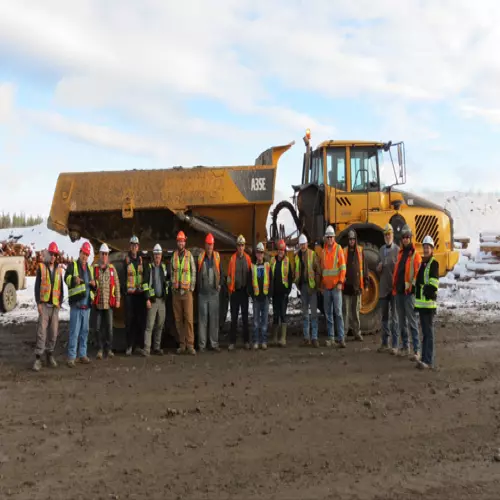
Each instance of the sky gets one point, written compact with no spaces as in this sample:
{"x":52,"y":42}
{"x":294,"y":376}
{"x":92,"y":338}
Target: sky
{"x":92,"y":85}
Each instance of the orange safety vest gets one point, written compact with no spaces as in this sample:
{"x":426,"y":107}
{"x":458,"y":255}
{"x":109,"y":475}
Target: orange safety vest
{"x":201,"y":258}
{"x":183,"y":268}
{"x":285,"y":267}
{"x":134,"y":279}
{"x":411,"y":270}
{"x":231,"y":275}
{"x":112,"y":294}
{"x":332,"y":267}
{"x":46,"y":285}
{"x":359,"y":251}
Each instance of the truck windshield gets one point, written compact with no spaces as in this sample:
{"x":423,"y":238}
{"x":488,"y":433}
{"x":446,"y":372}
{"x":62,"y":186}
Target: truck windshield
{"x":364,"y":169}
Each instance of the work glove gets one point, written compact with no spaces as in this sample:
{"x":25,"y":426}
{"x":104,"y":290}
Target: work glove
{"x":430,"y":293}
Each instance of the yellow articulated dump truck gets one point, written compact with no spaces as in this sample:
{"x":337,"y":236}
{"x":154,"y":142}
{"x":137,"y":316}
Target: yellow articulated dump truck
{"x":340,"y":186}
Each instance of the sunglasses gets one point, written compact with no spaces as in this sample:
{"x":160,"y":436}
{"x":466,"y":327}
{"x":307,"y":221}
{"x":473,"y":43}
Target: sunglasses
{"x":406,"y":237}
{"x":329,"y":237}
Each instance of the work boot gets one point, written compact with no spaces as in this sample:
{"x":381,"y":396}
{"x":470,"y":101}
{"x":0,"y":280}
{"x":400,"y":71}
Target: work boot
{"x":358,"y":337}
{"x":191,"y":350}
{"x":110,"y":354}
{"x":340,"y":344}
{"x":274,"y":339}
{"x":282,"y":341}
{"x":181,"y":350}
{"x":158,"y":352}
{"x":247,"y":346}
{"x":315,"y":343}
{"x":37,"y":365}
{"x":422,"y":366}
{"x":393,"y":351}
{"x":99,"y":355}
{"x":51,"y":360}
{"x":405,"y":352}
{"x":71,"y":363}
{"x":84,"y":360}
{"x":231,"y":347}
{"x":383,"y":348}
{"x":256,"y":347}
{"x":128,"y":352}
{"x":144,"y":352}
{"x":216,"y":348}
{"x":264,"y":347}
{"x":415,"y":356}
{"x":306,"y":342}
{"x":328,"y":342}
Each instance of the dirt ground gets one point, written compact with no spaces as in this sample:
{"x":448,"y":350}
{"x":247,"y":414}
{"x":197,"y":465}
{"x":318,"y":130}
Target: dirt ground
{"x":294,"y":423}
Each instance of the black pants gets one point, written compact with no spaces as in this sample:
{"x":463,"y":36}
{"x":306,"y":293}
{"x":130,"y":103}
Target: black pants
{"x":427,"y":325}
{"x":104,"y":329}
{"x":280,"y":303}
{"x":135,"y":320}
{"x":239,"y":300}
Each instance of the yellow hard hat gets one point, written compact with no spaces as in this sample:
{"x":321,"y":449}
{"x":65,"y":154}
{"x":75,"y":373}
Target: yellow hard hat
{"x":240,"y":240}
{"x":388,"y":229}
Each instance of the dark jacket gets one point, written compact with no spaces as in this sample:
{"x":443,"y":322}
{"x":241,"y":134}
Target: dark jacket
{"x":148,"y":278}
{"x":277,"y":281}
{"x":38,"y":282}
{"x":428,"y":291}
{"x":352,"y":285}
{"x":75,"y":299}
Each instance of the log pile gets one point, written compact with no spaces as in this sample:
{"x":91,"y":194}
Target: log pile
{"x":490,"y":244}
{"x":31,"y":256}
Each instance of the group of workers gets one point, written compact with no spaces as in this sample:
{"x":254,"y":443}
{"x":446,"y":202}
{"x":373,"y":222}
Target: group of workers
{"x":408,"y":284}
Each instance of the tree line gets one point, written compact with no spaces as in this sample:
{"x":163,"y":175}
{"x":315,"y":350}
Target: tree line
{"x":19,"y":220}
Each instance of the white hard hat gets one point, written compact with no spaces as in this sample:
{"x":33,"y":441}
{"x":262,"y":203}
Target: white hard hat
{"x":302,"y":239}
{"x":104,"y":248}
{"x":134,"y":239}
{"x":240,"y":240}
{"x":157,"y":249}
{"x":428,"y":241}
{"x":260,"y":247}
{"x":330,"y":231}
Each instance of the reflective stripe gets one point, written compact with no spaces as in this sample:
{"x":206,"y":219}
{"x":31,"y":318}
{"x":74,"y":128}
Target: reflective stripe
{"x":310,"y":269}
{"x":285,"y":267}
{"x":422,"y":302}
{"x":46,"y":286}
{"x":134,"y":279}
{"x":149,"y":286}
{"x":181,"y":270}
{"x":81,"y":288}
{"x":255,"y":281}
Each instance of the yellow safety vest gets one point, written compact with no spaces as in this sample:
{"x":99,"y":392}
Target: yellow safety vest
{"x":81,"y":288}
{"x":46,"y":286}
{"x":285,"y":267}
{"x":255,"y":281}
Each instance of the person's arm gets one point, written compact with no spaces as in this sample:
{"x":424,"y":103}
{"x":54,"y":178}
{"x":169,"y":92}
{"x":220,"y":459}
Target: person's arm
{"x":68,"y":277}
{"x":430,"y":290}
{"x":222,"y":276}
{"x":117,"y":288}
{"x":193,"y":273}
{"x":365,"y":270}
{"x":38,"y":281}
{"x":60,"y":270}
{"x":342,"y":266}
{"x":146,"y":279}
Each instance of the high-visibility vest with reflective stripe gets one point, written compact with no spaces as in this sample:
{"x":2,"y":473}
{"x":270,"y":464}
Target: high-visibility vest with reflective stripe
{"x":422,"y":302}
{"x":181,"y":271}
{"x":134,"y":278}
{"x":412,"y":266}
{"x":216,"y":257}
{"x":285,"y":267}
{"x":231,"y":274}
{"x":359,"y":251}
{"x":112,"y":285}
{"x":81,"y":288}
{"x":46,"y":286}
{"x":330,"y":268}
{"x":148,"y":287}
{"x":255,"y":281}
{"x":310,"y":269}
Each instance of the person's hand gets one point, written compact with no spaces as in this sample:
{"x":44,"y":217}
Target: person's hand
{"x":379,"y":267}
{"x":148,"y":304}
{"x":39,"y":307}
{"x":78,"y":280}
{"x":118,"y":305}
{"x":339,"y":286}
{"x":92,"y":284}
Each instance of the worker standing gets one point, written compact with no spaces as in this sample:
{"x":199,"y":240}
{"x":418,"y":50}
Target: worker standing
{"x":239,"y":279}
{"x":425,"y":301}
{"x":49,"y":295}
{"x":308,"y":280}
{"x":356,"y":280}
{"x":79,"y":278}
{"x":183,"y":273}
{"x":404,"y":279}
{"x":333,"y":271}
{"x":282,"y":282}
{"x":262,"y":289}
{"x":210,"y":277}
{"x":155,"y":291}
{"x":106,"y":299}
{"x":388,"y":257}
{"x":135,"y":304}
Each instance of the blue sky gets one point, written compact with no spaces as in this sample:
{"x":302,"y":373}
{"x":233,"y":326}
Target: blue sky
{"x":92,"y":85}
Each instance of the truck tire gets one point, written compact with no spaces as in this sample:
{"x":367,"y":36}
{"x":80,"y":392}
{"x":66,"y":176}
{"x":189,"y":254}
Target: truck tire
{"x":9,"y":297}
{"x":370,"y":306}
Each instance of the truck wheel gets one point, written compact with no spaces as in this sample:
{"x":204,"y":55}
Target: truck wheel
{"x":9,"y":297}
{"x":370,"y":310}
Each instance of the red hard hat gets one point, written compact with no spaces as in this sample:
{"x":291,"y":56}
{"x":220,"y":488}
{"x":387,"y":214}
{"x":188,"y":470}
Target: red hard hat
{"x":181,"y":236}
{"x":86,"y":248}
{"x":210,"y":239}
{"x":53,"y":248}
{"x":281,"y":245}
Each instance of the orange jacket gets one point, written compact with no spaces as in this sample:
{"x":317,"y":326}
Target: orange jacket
{"x":361,"y":260}
{"x":333,"y":267}
{"x":411,"y":270}
{"x":231,"y":274}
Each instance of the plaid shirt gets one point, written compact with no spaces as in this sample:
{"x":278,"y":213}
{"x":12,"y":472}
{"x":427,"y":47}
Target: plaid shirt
{"x":104,"y":288}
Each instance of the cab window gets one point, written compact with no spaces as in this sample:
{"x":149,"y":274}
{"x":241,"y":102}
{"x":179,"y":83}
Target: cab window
{"x":335,"y":166}
{"x":364,"y":169}
{"x":317,"y":167}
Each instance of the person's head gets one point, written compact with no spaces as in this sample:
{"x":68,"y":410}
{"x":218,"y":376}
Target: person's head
{"x":85,"y":253}
{"x":352,"y":238}
{"x":134,"y":245}
{"x":388,"y":234}
{"x":259,"y":252}
{"x":428,"y":245}
{"x":240,"y":245}
{"x":406,"y":235}
{"x":209,"y":244}
{"x":157,"y":254}
{"x":104,"y":254}
{"x":329,"y":236}
{"x":52,"y":253}
{"x":181,"y":241}
{"x":281,"y":249}
{"x":303,"y":242}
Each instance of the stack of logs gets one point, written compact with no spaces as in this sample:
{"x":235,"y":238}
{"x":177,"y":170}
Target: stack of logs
{"x":489,"y":242}
{"x":31,"y":257}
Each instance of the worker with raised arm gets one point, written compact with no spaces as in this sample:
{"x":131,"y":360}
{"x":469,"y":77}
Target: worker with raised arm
{"x":356,"y":280}
{"x":135,"y":303}
{"x":333,"y":271}
{"x":262,"y":289}
{"x":307,"y":277}
{"x":210,"y":278}
{"x":79,"y":278}
{"x":49,"y":295}
{"x":106,"y":299}
{"x":239,"y":280}
{"x":282,"y":279}
{"x":403,"y":288}
{"x":425,"y":301}
{"x":155,"y":290}
{"x":388,"y":258}
{"x":183,"y":275}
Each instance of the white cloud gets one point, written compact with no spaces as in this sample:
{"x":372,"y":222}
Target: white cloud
{"x":7,"y":96}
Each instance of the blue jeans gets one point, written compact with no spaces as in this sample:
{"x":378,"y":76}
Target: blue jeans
{"x":332,"y":300}
{"x":389,"y":321}
{"x":427,"y":324}
{"x":407,"y":317}
{"x":78,"y":332}
{"x":309,"y":300}
{"x":260,"y":314}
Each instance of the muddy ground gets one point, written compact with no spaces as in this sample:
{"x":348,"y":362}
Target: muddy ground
{"x":294,"y":423}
